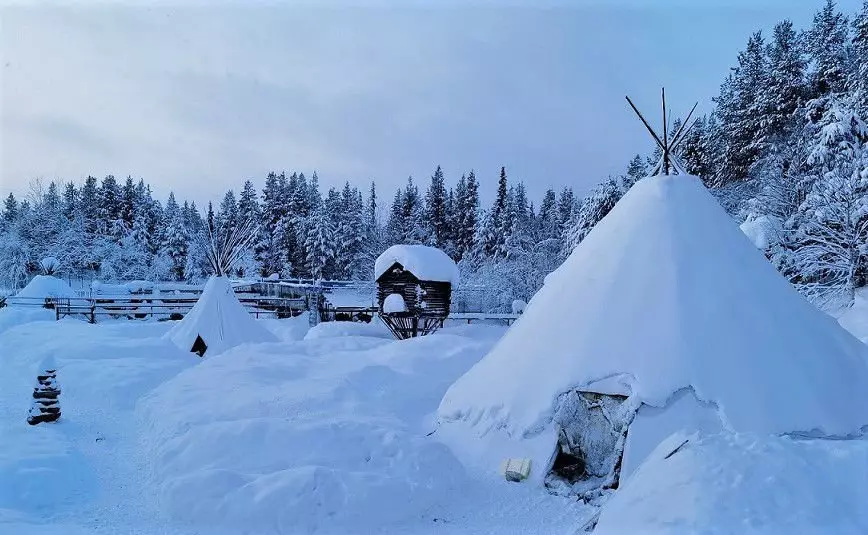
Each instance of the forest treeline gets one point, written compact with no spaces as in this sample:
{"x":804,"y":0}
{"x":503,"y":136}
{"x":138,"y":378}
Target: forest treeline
{"x":784,"y":150}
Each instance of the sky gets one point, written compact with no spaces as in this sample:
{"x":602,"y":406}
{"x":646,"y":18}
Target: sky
{"x":196,"y":99}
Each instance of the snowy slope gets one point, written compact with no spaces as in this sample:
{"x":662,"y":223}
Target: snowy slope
{"x":744,"y":484}
{"x":325,"y":432}
{"x":640,"y":302}
{"x":326,"y":435}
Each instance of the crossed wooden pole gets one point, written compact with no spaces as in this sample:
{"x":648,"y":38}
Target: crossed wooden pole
{"x":668,"y":162}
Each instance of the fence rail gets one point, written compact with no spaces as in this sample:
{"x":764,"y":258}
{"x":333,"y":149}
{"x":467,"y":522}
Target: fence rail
{"x":168,"y":307}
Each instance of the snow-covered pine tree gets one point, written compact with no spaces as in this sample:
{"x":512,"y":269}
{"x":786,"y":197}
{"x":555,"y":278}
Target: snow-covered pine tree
{"x":566,"y":209}
{"x":268,"y":249}
{"x":858,"y":77}
{"x":741,"y":116}
{"x":175,"y":240}
{"x":827,"y":45}
{"x":127,"y":202}
{"x":435,"y":210}
{"x":636,"y":170}
{"x":829,"y":253}
{"x":548,"y":218}
{"x":10,"y":208}
{"x":497,"y":220}
{"x":593,"y":209}
{"x":70,"y":201}
{"x":785,"y":86}
{"x":109,"y":207}
{"x":319,"y":242}
{"x":466,"y":216}
{"x":395,"y":226}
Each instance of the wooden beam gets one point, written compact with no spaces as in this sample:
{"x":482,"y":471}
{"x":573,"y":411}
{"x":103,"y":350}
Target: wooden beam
{"x":665,"y":134}
{"x":650,"y":130}
{"x":681,"y":130}
{"x":684,"y":135}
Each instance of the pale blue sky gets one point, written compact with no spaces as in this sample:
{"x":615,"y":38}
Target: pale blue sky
{"x":199,"y":99}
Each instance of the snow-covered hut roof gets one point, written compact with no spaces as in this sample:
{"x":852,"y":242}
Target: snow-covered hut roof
{"x":220,"y":319}
{"x":426,"y":263}
{"x":666,"y":293}
{"x":46,"y":286}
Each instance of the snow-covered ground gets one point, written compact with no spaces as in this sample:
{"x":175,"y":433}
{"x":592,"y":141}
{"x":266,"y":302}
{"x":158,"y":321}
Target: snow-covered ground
{"x":326,"y":431}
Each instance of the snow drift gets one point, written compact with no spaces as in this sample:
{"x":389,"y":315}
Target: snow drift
{"x":637,"y":309}
{"x":744,"y":484}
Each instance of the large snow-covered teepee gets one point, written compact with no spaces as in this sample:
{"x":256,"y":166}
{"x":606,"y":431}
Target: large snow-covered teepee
{"x":218,"y":321}
{"x":665,"y":318}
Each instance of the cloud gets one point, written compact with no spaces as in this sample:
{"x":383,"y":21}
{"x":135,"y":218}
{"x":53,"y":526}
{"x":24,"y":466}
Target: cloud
{"x":197,"y":99}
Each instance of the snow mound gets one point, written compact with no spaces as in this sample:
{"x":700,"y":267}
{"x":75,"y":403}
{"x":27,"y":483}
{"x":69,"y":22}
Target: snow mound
{"x":394,"y":303}
{"x":744,"y":484}
{"x":640,"y":302}
{"x":426,"y":263}
{"x":341,"y":329}
{"x":763,"y":231}
{"x":46,"y":286}
{"x":220,"y":319}
{"x":12,"y":316}
{"x":301,"y":437}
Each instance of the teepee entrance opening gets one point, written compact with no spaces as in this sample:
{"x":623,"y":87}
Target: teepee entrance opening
{"x":592,"y":433}
{"x":199,"y":346}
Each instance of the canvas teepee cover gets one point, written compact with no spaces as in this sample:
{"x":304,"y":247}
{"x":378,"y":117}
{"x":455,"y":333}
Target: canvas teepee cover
{"x":666,"y":302}
{"x":219,"y":320}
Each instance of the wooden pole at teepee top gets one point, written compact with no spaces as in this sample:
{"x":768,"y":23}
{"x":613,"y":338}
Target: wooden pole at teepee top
{"x":667,"y":163}
{"x":665,"y":134}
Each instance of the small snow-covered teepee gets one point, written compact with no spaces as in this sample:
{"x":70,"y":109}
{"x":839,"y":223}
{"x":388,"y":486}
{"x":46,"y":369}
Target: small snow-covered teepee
{"x":218,"y":321}
{"x":665,"y":318}
{"x":46,"y":285}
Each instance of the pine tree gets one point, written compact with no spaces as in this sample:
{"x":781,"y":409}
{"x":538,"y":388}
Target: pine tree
{"x":636,"y":170}
{"x":566,"y":207}
{"x":395,"y":226}
{"x":784,"y":89}
{"x":740,"y":113}
{"x":319,"y":242}
{"x":70,"y":201}
{"x":497,"y":221}
{"x":175,"y":242}
{"x":858,"y":79}
{"x":109,"y":207}
{"x":127,"y":202}
{"x":90,"y":203}
{"x":10,"y":208}
{"x":593,"y":209}
{"x":827,"y":45}
{"x":548,"y":216}
{"x":693,"y":151}
{"x":466,"y":215}
{"x":435,"y":210}
{"x":248,"y":206}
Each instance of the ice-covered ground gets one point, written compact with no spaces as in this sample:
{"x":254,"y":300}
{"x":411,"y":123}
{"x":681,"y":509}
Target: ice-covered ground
{"x":325,"y":431}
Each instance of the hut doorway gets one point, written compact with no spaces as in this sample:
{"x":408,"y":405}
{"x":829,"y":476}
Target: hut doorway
{"x":592,"y":432}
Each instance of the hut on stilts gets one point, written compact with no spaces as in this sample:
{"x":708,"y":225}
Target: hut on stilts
{"x":414,"y":289}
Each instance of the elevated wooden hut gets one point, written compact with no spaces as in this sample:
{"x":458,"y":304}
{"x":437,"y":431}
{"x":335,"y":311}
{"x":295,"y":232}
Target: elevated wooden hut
{"x":414,"y":288}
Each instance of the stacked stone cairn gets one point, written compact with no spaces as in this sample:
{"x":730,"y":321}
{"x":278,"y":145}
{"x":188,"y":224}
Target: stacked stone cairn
{"x":46,"y":394}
